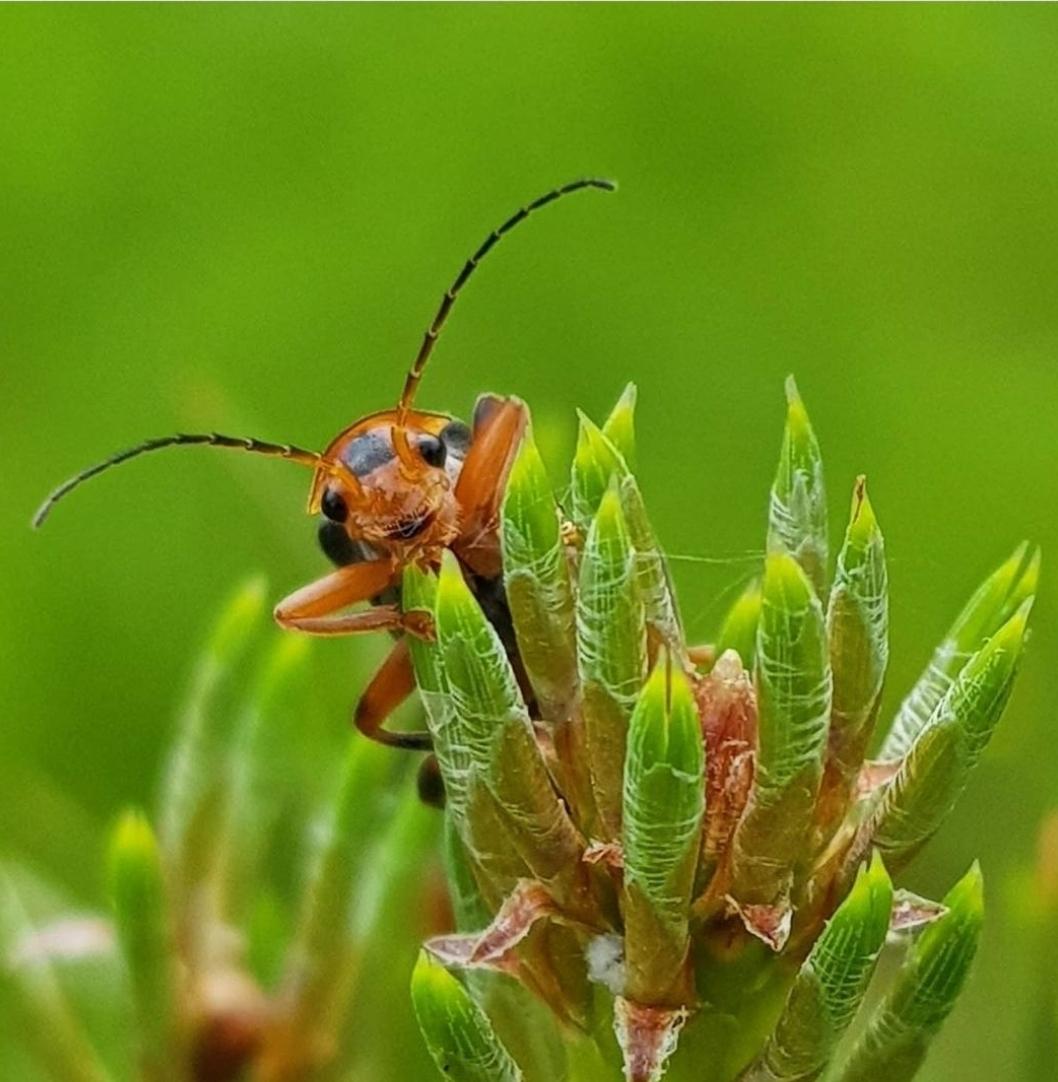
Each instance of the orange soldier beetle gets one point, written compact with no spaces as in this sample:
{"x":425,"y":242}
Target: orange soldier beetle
{"x":397,"y":487}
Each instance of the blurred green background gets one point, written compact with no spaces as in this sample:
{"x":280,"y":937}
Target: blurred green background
{"x":242,"y":217}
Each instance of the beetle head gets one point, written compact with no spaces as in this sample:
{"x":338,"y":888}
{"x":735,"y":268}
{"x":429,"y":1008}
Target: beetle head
{"x":392,"y":485}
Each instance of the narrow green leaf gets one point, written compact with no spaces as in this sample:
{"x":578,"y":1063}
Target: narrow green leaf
{"x":317,"y":973}
{"x":496,"y":732}
{"x":930,"y":980}
{"x":936,"y":769}
{"x":620,"y":427}
{"x":257,"y":769}
{"x":995,"y":601}
{"x":793,"y":703}
{"x":393,"y":902}
{"x":858,"y":630}
{"x":797,"y":514}
{"x":537,"y":583}
{"x":611,"y":654}
{"x":457,"y":1033}
{"x":830,"y":984}
{"x":738,"y":632}
{"x":46,"y":1024}
{"x":664,"y":799}
{"x":193,"y":775}
{"x":148,"y":945}
{"x":388,"y":892}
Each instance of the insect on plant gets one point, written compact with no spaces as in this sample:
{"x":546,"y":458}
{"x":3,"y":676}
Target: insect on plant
{"x":398,"y":487}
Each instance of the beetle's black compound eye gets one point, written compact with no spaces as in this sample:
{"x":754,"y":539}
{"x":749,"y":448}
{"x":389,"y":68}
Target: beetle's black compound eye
{"x":333,"y":506}
{"x":433,"y":450}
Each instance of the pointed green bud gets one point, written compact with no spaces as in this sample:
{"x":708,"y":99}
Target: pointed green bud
{"x":936,"y":769}
{"x":739,"y":630}
{"x":793,"y":676}
{"x":611,"y":653}
{"x":620,"y":426}
{"x":895,"y":1044}
{"x":595,"y":461}
{"x":830,"y":984}
{"x":537,"y":582}
{"x":470,"y":809}
{"x":797,"y":515}
{"x":793,"y":705}
{"x":495,"y":730}
{"x":147,"y":942}
{"x":664,"y":800}
{"x":481,"y":683}
{"x":596,"y":465}
{"x":995,"y":601}
{"x":858,"y":630}
{"x":456,"y":1031}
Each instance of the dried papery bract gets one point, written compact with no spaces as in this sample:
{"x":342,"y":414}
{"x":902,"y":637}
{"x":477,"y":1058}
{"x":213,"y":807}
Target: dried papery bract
{"x":727,"y":707}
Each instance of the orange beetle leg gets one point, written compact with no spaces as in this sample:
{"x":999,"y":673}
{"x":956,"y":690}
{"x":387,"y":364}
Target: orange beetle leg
{"x":479,"y":489}
{"x":389,"y":687}
{"x":314,"y":608}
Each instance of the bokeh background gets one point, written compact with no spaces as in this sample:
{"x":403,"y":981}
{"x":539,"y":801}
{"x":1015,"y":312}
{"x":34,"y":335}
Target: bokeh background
{"x":242,"y":217}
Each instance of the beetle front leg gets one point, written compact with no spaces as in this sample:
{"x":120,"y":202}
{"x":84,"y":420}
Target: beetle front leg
{"x":315,"y":608}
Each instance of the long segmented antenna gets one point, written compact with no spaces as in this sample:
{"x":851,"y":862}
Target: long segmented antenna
{"x":411,"y":383}
{"x":209,"y":439}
